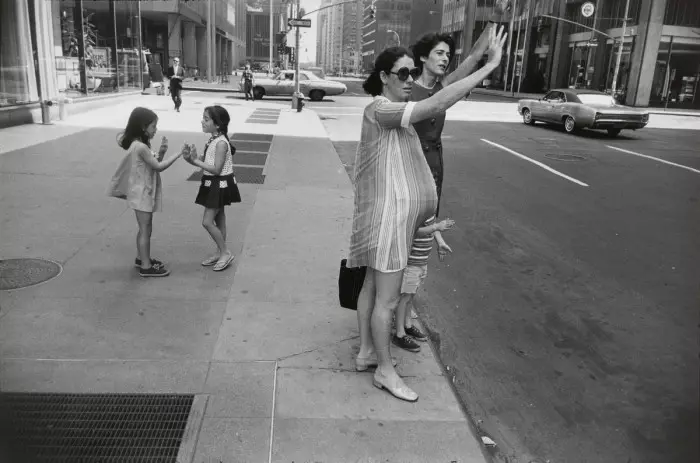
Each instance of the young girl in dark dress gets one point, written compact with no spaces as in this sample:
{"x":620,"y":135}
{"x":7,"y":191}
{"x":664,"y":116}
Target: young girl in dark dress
{"x":218,"y":187}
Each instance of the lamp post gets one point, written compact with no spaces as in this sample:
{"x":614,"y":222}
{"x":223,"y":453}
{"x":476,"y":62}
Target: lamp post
{"x":619,"y":49}
{"x":398,"y":39}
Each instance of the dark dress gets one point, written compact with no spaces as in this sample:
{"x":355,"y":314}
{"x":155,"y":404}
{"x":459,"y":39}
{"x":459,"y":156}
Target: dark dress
{"x":430,"y":134}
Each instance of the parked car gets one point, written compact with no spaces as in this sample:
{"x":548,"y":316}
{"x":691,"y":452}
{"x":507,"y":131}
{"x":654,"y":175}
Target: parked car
{"x":579,"y":108}
{"x":283,"y":85}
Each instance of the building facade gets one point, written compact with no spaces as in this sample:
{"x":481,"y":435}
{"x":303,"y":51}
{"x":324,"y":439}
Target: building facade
{"x":553,"y":44}
{"x":338,"y":36}
{"x":386,"y":23}
{"x":258,"y":31}
{"x":87,"y":47}
{"x":426,"y":16}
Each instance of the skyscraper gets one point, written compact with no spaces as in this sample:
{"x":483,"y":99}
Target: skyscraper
{"x":337,"y":48}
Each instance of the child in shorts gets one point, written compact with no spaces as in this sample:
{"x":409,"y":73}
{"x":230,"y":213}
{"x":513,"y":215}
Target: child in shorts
{"x":413,"y":277}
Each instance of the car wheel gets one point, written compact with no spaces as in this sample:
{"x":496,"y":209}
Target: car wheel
{"x":316,"y":95}
{"x":527,"y":117}
{"x":614,"y":132}
{"x":258,"y":93}
{"x":569,"y":124}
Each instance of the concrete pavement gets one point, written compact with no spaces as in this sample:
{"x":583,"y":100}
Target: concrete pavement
{"x":264,"y":346}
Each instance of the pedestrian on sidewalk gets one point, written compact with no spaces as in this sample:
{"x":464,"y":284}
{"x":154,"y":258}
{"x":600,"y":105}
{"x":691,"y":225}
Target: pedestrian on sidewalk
{"x":413,"y":277}
{"x":248,"y":82}
{"x":218,"y":187}
{"x":137,"y":180}
{"x":394,"y":194}
{"x":176,"y":73}
{"x":433,"y":53}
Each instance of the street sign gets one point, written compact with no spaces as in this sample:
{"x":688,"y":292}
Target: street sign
{"x":299,"y":23}
{"x":587,"y":9}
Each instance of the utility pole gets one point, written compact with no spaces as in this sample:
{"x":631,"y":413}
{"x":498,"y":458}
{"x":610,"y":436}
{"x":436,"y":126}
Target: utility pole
{"x":297,"y":94}
{"x":210,"y":44}
{"x":515,"y":60}
{"x":510,"y":45}
{"x":272,"y":40}
{"x":619,"y":49}
{"x":523,"y":70}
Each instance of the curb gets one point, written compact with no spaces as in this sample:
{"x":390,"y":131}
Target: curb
{"x":212,"y":89}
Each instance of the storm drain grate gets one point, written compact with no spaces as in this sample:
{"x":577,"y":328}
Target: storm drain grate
{"x":94,"y":427}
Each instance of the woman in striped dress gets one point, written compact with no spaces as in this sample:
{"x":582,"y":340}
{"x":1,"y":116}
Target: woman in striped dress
{"x":394,"y":194}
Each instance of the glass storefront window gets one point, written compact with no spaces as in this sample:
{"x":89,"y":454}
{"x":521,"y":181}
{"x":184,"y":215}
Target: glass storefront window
{"x":105,"y":44}
{"x":18,"y":84}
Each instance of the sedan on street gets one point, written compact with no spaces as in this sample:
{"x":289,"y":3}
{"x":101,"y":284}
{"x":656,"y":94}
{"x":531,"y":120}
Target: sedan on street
{"x":580,"y":108}
{"x":283,"y":85}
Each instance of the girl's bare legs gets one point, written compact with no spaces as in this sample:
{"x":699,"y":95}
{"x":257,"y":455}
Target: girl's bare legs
{"x":365,"y":307}
{"x":143,"y":237}
{"x":209,"y":224}
{"x":403,"y":315}
{"x":220,"y":221}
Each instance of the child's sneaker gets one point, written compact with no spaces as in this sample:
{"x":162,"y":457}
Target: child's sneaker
{"x":137,"y":262}
{"x":406,"y":343}
{"x":416,"y":334}
{"x":154,"y":271}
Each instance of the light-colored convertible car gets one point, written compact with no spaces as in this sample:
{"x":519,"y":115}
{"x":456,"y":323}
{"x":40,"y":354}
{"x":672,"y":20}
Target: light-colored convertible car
{"x":283,"y":85}
{"x":579,"y":108}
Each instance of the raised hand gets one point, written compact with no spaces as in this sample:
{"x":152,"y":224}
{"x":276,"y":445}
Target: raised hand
{"x":163,"y":148}
{"x":496,"y":41}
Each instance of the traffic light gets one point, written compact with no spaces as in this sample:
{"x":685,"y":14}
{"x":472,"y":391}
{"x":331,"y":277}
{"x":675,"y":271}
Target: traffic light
{"x":371,"y":13}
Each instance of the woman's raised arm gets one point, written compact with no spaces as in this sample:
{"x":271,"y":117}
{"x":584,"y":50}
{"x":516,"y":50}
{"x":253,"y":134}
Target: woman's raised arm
{"x":448,"y":96}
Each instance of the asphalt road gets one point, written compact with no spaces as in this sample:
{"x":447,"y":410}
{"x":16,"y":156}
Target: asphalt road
{"x":568,"y":312}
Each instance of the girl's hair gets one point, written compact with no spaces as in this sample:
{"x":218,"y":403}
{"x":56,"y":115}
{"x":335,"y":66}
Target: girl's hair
{"x":139,"y":120}
{"x":384,"y":62}
{"x":221,"y":118}
{"x":425,"y":45}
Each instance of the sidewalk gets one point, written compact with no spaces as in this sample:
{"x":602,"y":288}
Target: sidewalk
{"x":264,"y":346}
{"x":520,"y":96}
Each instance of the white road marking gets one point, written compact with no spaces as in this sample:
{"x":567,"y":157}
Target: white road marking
{"x":187,"y":92}
{"x":655,"y":159}
{"x":537,"y":163}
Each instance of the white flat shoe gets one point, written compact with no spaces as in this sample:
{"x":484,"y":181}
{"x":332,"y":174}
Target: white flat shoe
{"x":400,"y":391}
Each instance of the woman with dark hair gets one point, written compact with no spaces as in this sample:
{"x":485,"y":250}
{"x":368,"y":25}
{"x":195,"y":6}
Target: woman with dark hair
{"x":394,"y":194}
{"x":433,"y":54}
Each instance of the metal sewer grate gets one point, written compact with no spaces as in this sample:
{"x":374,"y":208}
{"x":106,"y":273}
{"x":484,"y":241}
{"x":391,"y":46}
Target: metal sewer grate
{"x":93,"y":427}
{"x":20,"y":273}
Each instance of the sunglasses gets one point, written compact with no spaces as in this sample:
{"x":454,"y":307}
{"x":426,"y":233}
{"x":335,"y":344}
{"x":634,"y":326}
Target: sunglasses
{"x":403,"y":73}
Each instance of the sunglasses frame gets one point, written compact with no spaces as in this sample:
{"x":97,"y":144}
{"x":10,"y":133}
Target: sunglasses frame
{"x":409,"y":72}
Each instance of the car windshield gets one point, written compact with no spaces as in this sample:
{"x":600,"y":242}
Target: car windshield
{"x":591,"y":98}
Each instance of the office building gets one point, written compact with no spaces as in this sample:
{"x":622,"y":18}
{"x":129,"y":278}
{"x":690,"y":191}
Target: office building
{"x":386,"y":23}
{"x":258,"y":31}
{"x":338,"y":36}
{"x":659,"y":58}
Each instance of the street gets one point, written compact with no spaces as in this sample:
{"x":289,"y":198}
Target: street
{"x":568,"y":310}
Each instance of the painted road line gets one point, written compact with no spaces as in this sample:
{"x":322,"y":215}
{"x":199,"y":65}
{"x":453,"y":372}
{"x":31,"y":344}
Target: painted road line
{"x":655,"y":159}
{"x":537,"y":163}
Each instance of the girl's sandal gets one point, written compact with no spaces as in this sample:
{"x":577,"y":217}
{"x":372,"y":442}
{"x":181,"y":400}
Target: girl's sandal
{"x":209,"y":261}
{"x":223,"y":262}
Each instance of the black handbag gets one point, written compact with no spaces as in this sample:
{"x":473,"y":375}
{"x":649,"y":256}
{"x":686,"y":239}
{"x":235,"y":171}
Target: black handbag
{"x":350,"y":280}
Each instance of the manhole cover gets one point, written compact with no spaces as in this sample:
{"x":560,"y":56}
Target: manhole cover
{"x":565,"y":157}
{"x":94,"y":427}
{"x":20,"y":273}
